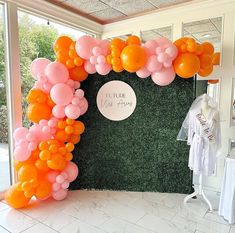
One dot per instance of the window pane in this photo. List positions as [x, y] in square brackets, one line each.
[4, 151]
[36, 36]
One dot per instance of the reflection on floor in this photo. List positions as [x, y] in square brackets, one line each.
[114, 212]
[4, 167]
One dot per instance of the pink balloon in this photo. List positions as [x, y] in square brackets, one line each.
[83, 104]
[153, 64]
[172, 51]
[103, 69]
[79, 93]
[38, 134]
[72, 171]
[167, 63]
[57, 73]
[38, 67]
[163, 41]
[65, 185]
[162, 57]
[61, 94]
[104, 44]
[89, 68]
[22, 153]
[56, 187]
[150, 45]
[60, 179]
[101, 60]
[72, 111]
[77, 84]
[143, 72]
[20, 133]
[84, 46]
[60, 195]
[52, 122]
[93, 60]
[30, 137]
[164, 77]
[32, 146]
[58, 111]
[51, 176]
[96, 51]
[75, 100]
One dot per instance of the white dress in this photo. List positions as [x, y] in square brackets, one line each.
[203, 146]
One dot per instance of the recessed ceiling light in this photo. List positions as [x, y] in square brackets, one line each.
[206, 35]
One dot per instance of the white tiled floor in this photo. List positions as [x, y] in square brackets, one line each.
[114, 212]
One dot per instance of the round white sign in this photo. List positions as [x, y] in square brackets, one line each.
[116, 100]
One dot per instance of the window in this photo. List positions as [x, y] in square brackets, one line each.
[36, 37]
[4, 150]
[155, 33]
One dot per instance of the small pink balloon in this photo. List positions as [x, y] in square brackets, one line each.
[72, 111]
[70, 82]
[60, 179]
[22, 153]
[159, 50]
[83, 104]
[61, 94]
[65, 185]
[143, 73]
[96, 51]
[101, 60]
[51, 176]
[172, 51]
[153, 64]
[56, 187]
[30, 137]
[162, 57]
[60, 194]
[58, 111]
[52, 122]
[57, 73]
[72, 171]
[77, 84]
[89, 68]
[79, 93]
[46, 129]
[103, 69]
[32, 146]
[167, 63]
[84, 46]
[164, 77]
[75, 100]
[38, 67]
[65, 175]
[93, 60]
[43, 122]
[20, 133]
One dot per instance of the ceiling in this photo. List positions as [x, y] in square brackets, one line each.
[106, 11]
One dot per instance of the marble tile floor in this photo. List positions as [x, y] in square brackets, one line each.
[114, 212]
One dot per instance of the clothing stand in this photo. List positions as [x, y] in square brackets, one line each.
[199, 191]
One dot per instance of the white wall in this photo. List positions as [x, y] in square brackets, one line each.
[176, 17]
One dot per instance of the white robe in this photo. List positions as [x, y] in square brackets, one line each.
[202, 155]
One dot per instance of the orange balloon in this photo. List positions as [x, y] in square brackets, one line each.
[74, 138]
[199, 49]
[205, 61]
[133, 40]
[57, 162]
[27, 172]
[206, 71]
[63, 42]
[43, 190]
[186, 65]
[216, 58]
[78, 61]
[72, 53]
[133, 58]
[118, 43]
[16, 198]
[208, 48]
[79, 127]
[36, 96]
[41, 165]
[62, 56]
[70, 64]
[213, 81]
[78, 73]
[37, 112]
[62, 136]
[118, 68]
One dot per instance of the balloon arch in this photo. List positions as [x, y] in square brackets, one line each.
[43, 152]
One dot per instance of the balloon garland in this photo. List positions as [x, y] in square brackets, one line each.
[43, 152]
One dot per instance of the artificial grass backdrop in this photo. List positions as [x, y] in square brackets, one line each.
[140, 153]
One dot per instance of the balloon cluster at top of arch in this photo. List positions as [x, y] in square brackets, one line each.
[43, 152]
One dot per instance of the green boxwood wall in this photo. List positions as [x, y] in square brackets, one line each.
[140, 153]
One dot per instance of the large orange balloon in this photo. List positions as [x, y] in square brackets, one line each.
[133, 58]
[216, 58]
[63, 42]
[37, 112]
[16, 198]
[36, 95]
[205, 61]
[186, 65]
[206, 71]
[78, 73]
[27, 172]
